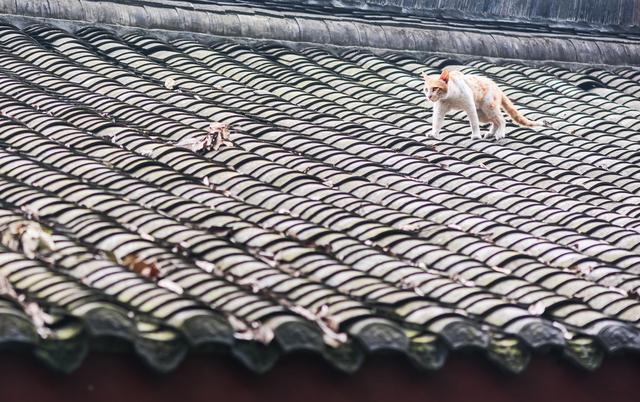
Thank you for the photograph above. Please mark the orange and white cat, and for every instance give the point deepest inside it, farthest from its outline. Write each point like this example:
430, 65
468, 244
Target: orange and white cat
479, 97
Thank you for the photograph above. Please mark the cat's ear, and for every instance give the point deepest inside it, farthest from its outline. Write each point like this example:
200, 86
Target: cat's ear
445, 76
425, 76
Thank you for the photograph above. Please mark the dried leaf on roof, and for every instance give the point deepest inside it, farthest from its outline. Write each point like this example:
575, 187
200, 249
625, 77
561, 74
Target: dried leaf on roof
6, 289
210, 268
565, 332
253, 331
325, 321
254, 284
537, 308
170, 83
218, 134
148, 269
505, 271
27, 237
462, 281
146, 150
265, 256
408, 284
486, 236
413, 227
38, 316
582, 269
170, 285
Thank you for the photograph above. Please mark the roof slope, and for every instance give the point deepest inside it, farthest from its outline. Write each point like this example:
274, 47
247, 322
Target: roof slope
331, 225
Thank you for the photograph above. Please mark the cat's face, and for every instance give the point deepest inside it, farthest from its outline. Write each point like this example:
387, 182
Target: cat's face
435, 91
434, 88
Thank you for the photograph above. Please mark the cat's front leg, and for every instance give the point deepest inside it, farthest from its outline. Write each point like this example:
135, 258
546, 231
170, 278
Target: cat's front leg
474, 122
437, 120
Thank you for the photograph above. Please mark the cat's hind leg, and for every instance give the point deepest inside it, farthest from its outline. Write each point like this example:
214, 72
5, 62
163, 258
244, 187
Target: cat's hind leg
499, 129
483, 118
494, 127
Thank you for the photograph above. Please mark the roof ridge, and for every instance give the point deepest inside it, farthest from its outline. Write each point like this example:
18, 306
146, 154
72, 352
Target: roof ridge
435, 34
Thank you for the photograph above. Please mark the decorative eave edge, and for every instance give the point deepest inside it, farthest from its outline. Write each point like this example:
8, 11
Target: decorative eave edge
297, 29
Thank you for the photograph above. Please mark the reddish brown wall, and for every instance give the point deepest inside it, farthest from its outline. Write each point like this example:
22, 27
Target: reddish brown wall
304, 379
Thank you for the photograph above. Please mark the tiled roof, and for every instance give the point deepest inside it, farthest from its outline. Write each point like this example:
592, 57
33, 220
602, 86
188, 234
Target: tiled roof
330, 225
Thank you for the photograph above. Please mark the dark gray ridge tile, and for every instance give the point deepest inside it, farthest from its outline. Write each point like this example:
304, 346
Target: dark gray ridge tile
329, 215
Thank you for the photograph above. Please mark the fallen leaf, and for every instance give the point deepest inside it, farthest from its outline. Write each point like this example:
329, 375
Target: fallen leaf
413, 227
582, 270
209, 267
27, 237
501, 270
146, 150
38, 316
537, 308
486, 236
6, 288
268, 257
141, 267
461, 312
324, 315
256, 286
251, 332
565, 332
326, 322
218, 134
334, 340
170, 285
146, 236
411, 285
170, 83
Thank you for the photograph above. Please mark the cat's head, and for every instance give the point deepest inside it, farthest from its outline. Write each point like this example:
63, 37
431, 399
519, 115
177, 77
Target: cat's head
436, 88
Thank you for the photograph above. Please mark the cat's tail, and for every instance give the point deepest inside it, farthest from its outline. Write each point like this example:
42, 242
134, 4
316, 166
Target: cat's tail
518, 118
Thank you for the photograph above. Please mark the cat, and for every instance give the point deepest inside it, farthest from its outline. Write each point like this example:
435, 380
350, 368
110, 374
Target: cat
478, 96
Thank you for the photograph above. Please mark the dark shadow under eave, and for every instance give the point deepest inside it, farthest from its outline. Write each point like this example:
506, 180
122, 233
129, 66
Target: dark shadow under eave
107, 377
